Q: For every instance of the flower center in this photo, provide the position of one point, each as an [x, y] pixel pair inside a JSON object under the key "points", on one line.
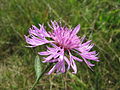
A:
{"points": [[65, 39]]}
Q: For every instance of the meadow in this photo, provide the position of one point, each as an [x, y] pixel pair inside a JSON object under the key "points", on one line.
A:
{"points": [[100, 22]]}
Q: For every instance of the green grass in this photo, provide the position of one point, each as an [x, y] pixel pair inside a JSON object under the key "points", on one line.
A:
{"points": [[99, 20]]}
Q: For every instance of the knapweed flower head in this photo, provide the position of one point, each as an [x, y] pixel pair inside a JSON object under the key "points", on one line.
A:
{"points": [[64, 42]]}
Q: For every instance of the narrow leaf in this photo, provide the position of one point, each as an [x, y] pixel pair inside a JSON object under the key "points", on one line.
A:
{"points": [[38, 67]]}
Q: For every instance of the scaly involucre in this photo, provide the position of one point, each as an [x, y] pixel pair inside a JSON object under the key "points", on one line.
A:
{"points": [[62, 40]]}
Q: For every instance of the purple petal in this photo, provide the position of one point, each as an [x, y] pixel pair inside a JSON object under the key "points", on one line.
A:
{"points": [[76, 29], [43, 31], [52, 70], [44, 53], [49, 57], [34, 41], [86, 43], [68, 62], [60, 67], [89, 56], [82, 39], [88, 63], [75, 58], [63, 67], [73, 65], [72, 62], [53, 60]]}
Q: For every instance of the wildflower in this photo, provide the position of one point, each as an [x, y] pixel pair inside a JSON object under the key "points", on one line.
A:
{"points": [[63, 40]]}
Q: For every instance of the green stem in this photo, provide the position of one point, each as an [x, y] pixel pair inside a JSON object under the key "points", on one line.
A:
{"points": [[37, 80]]}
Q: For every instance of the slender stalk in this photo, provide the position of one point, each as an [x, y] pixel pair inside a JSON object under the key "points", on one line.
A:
{"points": [[37, 80]]}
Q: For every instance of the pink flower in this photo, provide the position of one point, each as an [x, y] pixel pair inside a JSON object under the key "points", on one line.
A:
{"points": [[64, 41]]}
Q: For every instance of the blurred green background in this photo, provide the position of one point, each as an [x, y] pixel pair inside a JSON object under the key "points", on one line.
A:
{"points": [[99, 20]]}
